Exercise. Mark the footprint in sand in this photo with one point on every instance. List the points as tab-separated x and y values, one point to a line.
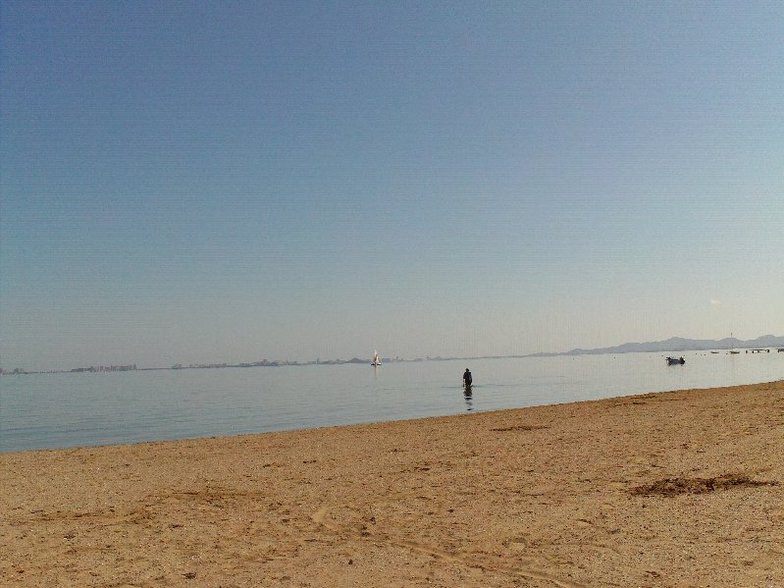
321	517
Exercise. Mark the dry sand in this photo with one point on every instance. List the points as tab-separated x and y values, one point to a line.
671	489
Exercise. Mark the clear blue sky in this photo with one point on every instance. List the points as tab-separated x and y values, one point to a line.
229	181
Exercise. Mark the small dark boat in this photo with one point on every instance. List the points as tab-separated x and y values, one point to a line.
675	361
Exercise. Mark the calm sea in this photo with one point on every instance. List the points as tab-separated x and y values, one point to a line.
66	410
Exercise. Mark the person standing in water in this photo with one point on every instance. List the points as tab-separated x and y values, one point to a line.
467	378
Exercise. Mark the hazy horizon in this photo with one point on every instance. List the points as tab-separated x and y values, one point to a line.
269	361
198	183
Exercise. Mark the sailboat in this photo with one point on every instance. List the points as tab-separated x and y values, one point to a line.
733	351
376	359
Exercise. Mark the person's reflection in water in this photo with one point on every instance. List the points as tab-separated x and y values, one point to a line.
469	397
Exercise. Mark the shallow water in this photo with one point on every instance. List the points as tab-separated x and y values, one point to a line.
40	411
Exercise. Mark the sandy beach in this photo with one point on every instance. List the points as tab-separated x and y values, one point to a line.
671	489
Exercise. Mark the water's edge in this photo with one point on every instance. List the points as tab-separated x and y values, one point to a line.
50	411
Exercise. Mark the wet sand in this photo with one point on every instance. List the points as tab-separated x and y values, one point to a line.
671	489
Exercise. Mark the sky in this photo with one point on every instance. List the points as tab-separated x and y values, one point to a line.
198	182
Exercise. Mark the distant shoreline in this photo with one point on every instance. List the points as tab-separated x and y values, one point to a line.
672	345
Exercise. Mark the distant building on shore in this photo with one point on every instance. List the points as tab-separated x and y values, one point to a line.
105	368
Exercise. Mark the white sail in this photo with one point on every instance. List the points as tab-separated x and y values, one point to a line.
376	359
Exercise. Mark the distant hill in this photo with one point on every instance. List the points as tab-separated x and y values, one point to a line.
680	344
